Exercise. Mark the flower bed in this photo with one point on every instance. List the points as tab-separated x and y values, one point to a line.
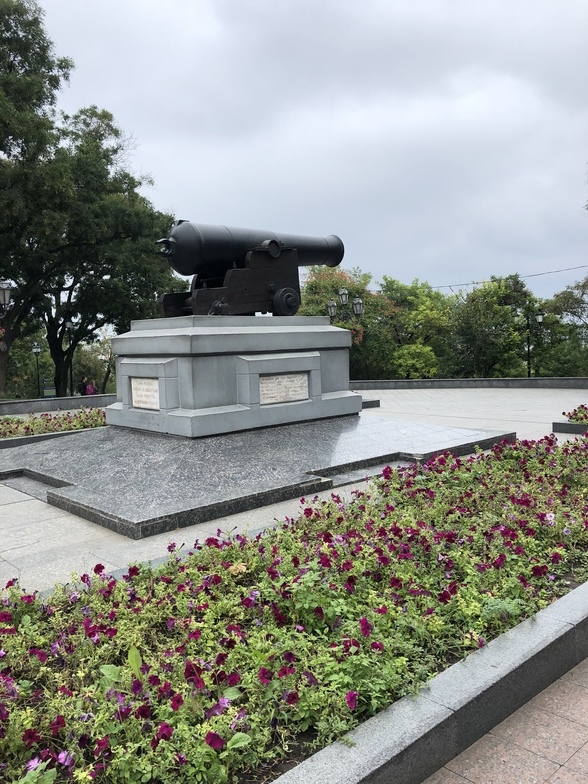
579	415
32	425
217	662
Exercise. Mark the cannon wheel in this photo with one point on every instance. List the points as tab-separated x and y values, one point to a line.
286	302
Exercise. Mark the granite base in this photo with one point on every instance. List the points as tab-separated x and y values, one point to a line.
140	483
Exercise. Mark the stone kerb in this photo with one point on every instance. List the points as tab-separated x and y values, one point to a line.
473	383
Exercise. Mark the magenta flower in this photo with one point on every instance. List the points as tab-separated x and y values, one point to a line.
164	731
176	702
366	626
30	737
99	568
192	673
233	678
214	740
285	670
57	724
264	675
351	699
292	697
101	745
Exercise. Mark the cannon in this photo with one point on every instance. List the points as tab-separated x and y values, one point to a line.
241	271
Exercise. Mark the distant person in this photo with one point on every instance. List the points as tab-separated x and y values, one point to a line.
90	388
83	385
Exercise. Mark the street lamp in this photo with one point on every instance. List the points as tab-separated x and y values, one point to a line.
68	324
356	306
5	305
5	297
36	351
539	319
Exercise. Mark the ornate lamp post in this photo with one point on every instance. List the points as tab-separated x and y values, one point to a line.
356	306
68	324
36	349
5	304
539	319
5	297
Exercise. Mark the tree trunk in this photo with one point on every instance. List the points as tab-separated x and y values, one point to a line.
3	366
61	377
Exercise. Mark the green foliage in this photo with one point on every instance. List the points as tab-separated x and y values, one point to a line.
76	235
214	663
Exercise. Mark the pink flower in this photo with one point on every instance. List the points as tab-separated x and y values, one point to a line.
214	740
351	699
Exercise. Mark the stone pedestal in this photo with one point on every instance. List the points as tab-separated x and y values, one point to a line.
204	375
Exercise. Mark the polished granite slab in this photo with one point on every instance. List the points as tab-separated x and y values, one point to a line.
142	483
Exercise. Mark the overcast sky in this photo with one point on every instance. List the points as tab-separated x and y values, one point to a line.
445	140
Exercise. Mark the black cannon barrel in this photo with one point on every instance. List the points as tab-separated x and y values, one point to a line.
209	251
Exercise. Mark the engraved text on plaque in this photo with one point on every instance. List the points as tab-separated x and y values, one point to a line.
145	393
283	388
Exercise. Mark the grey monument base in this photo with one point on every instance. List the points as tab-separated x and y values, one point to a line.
197	376
140	484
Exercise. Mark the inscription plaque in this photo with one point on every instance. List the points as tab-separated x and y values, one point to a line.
283	388
145	393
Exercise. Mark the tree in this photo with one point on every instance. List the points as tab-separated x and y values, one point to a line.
422	326
30	77
76	236
489	334
372	339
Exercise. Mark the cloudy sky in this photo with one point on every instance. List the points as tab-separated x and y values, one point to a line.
445	140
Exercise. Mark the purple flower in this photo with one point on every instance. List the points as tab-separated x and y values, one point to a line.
164	731
214	740
351	699
30	737
366	626
33	763
176	702
65	758
265	675
218	708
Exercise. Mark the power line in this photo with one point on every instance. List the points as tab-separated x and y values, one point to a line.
533	275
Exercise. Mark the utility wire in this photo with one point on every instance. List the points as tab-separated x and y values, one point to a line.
533	275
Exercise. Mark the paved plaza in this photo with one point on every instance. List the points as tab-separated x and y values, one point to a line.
545	741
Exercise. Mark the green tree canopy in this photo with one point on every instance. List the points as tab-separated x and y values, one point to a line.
76	234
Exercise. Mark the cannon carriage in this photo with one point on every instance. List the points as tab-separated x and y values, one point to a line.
241	271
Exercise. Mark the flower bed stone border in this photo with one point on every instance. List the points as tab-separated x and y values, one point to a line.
6	443
578	428
417	735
